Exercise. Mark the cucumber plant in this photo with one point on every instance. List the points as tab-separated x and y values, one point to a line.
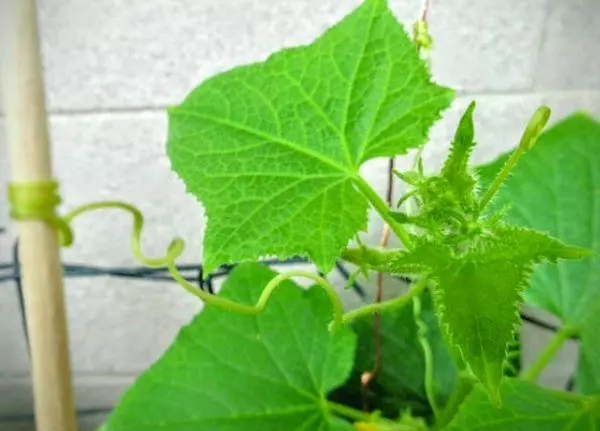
273	151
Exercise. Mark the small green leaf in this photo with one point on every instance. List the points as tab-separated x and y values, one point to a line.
446	203
527	407
456	169
232	372
555	188
400	382
273	149
478	292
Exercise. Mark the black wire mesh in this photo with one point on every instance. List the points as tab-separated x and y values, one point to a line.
194	273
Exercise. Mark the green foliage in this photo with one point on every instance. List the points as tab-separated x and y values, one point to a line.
478	290
447	205
528	407
273	149
229	371
456	170
480	266
555	189
400	382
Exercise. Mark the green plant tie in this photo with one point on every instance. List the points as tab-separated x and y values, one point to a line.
38	200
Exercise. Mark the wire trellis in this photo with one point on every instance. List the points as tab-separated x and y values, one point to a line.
193	273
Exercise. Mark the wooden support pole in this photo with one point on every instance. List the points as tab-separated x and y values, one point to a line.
30	157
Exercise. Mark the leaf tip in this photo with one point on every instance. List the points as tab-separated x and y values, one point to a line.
471	106
495	398
573	252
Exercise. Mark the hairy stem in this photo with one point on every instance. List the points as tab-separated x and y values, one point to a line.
549	352
383	210
501	177
398	302
530	136
348	412
422	331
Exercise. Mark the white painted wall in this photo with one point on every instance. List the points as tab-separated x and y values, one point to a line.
113	65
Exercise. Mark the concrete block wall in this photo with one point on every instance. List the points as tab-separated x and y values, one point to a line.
112	66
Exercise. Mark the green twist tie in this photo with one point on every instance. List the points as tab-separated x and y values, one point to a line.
37	200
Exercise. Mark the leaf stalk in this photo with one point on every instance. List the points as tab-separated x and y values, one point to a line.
549	352
347	412
422	331
383	210
378	307
530	136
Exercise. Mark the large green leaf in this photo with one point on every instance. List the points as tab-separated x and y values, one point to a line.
527	407
400	382
478	291
556	188
232	372
273	149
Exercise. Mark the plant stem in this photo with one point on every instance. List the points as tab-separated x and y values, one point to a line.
383	210
348	412
501	177
549	352
336	303
422	331
175	250
530	136
462	388
389	304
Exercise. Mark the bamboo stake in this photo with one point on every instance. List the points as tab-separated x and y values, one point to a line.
29	145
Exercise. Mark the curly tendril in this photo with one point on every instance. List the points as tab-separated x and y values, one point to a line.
38	201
